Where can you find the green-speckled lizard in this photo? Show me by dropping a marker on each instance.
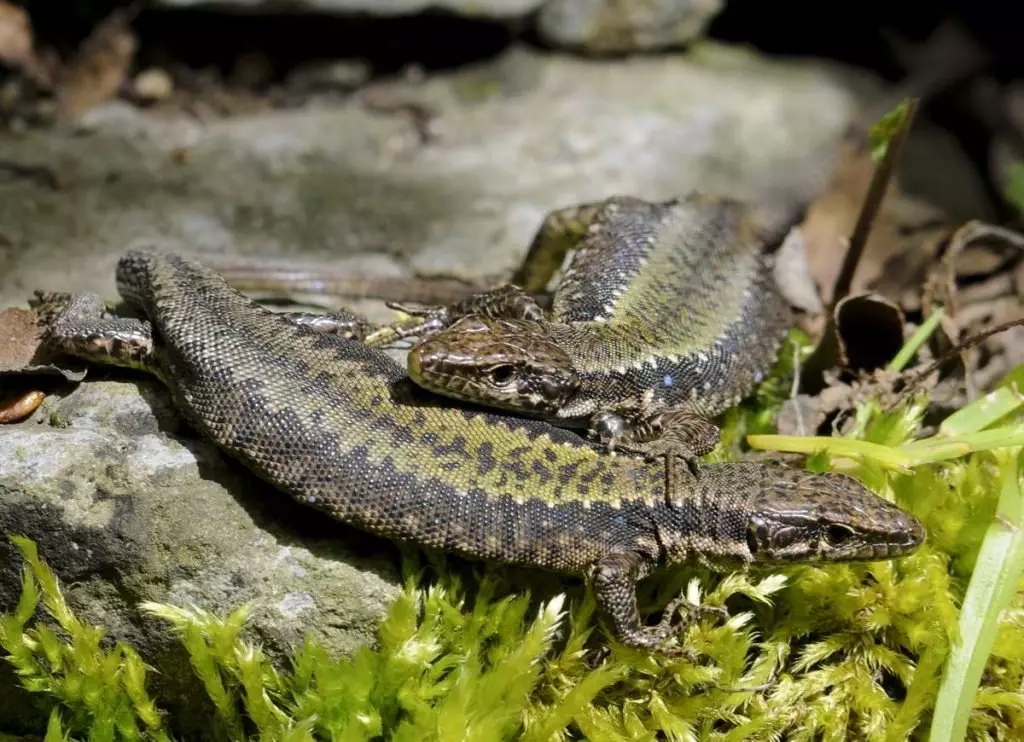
(338, 426)
(666, 315)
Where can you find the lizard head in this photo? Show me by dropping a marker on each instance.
(510, 364)
(803, 517)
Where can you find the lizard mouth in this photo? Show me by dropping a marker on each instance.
(914, 535)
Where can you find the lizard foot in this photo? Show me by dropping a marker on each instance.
(674, 435)
(423, 323)
(669, 627)
(614, 579)
(344, 324)
(504, 302)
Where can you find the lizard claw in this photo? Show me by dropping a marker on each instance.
(430, 321)
(669, 627)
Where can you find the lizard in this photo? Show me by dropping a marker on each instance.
(666, 315)
(338, 426)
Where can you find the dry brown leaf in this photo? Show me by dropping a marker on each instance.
(17, 48)
(903, 240)
(870, 331)
(20, 352)
(15, 36)
(97, 71)
(19, 405)
(18, 341)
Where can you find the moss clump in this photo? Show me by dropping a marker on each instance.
(102, 690)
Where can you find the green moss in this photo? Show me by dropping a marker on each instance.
(859, 651)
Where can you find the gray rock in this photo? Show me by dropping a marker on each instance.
(615, 26)
(511, 141)
(483, 8)
(125, 503)
(128, 505)
(338, 74)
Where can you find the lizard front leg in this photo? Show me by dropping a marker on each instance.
(342, 323)
(677, 435)
(504, 302)
(614, 578)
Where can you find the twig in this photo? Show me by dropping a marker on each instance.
(872, 203)
(916, 377)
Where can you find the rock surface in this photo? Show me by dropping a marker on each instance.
(483, 8)
(592, 26)
(128, 505)
(613, 26)
(510, 141)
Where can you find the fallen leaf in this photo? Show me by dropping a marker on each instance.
(870, 331)
(793, 275)
(153, 84)
(18, 338)
(904, 238)
(15, 37)
(20, 405)
(974, 251)
(17, 47)
(97, 71)
(21, 353)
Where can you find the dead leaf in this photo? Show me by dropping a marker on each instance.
(18, 338)
(21, 353)
(793, 275)
(153, 84)
(869, 330)
(975, 250)
(965, 256)
(20, 405)
(903, 239)
(865, 333)
(97, 71)
(801, 415)
(17, 45)
(15, 36)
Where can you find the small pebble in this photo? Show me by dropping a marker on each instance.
(153, 84)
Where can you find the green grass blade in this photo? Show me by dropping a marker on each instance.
(886, 456)
(999, 567)
(982, 412)
(940, 448)
(916, 340)
(902, 458)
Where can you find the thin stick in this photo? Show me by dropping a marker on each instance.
(917, 376)
(872, 203)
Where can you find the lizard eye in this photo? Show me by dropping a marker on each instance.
(837, 535)
(503, 374)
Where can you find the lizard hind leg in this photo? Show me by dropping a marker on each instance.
(77, 324)
(614, 578)
(562, 231)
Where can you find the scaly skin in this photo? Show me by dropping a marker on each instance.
(666, 316)
(338, 426)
